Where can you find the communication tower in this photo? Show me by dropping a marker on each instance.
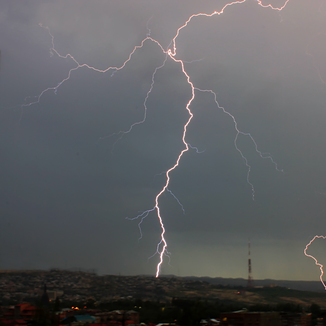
(249, 284)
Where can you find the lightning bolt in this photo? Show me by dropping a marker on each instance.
(321, 267)
(170, 53)
(323, 81)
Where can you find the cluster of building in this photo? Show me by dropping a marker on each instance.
(26, 314)
(27, 285)
(18, 286)
(81, 286)
(245, 318)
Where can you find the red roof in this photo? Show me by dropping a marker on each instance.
(17, 322)
(30, 308)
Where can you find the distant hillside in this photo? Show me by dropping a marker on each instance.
(18, 286)
(314, 286)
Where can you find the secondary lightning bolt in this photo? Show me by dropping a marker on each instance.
(321, 267)
(246, 134)
(170, 53)
(122, 133)
(79, 65)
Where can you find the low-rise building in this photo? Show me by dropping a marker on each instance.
(245, 318)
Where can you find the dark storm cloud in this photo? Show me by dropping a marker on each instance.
(68, 181)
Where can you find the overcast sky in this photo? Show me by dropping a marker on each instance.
(68, 180)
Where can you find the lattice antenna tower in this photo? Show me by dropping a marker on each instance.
(250, 281)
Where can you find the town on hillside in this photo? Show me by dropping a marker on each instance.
(60, 297)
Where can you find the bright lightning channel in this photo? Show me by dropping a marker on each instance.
(323, 81)
(321, 267)
(171, 52)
